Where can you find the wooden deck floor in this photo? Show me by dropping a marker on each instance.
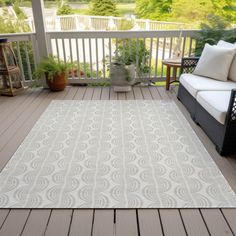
(17, 117)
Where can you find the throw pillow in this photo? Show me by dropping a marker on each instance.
(215, 62)
(232, 70)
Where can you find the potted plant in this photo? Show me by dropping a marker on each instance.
(55, 71)
(130, 60)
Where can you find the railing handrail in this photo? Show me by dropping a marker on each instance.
(121, 33)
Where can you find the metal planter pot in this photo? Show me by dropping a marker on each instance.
(122, 76)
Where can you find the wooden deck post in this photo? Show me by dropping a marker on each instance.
(40, 29)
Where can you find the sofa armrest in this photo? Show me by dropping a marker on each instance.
(231, 114)
(188, 64)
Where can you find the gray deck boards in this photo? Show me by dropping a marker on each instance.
(17, 117)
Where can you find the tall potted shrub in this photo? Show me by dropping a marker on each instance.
(129, 62)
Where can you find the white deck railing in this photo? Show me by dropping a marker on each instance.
(26, 50)
(92, 51)
(86, 22)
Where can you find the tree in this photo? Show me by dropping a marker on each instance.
(225, 9)
(103, 8)
(153, 9)
(196, 11)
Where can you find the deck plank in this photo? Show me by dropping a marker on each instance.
(113, 94)
(126, 223)
(37, 222)
(97, 93)
(171, 222)
(15, 222)
(3, 215)
(146, 93)
(130, 95)
(121, 96)
(81, 223)
(230, 216)
(155, 94)
(80, 93)
(9, 104)
(105, 93)
(89, 93)
(215, 222)
(59, 223)
(193, 222)
(163, 93)
(71, 93)
(138, 93)
(149, 222)
(103, 223)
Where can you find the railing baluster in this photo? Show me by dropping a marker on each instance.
(28, 61)
(150, 59)
(157, 56)
(97, 65)
(163, 54)
(71, 53)
(183, 49)
(104, 58)
(190, 47)
(77, 56)
(171, 44)
(90, 59)
(58, 53)
(110, 51)
(20, 60)
(64, 50)
(84, 58)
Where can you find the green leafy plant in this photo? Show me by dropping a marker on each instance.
(103, 8)
(132, 51)
(212, 32)
(51, 66)
(65, 9)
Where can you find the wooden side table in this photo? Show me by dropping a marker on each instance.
(171, 64)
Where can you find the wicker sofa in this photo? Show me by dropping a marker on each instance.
(211, 104)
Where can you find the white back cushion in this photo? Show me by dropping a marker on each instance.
(232, 70)
(215, 62)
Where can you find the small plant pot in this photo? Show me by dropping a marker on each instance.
(57, 83)
(122, 77)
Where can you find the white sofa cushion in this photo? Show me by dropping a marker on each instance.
(194, 83)
(232, 70)
(215, 103)
(215, 62)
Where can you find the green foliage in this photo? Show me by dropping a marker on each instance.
(132, 51)
(185, 10)
(103, 8)
(51, 66)
(9, 26)
(20, 14)
(212, 32)
(195, 11)
(125, 24)
(153, 9)
(65, 9)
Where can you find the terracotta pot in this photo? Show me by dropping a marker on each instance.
(58, 83)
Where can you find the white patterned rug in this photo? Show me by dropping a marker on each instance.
(113, 154)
